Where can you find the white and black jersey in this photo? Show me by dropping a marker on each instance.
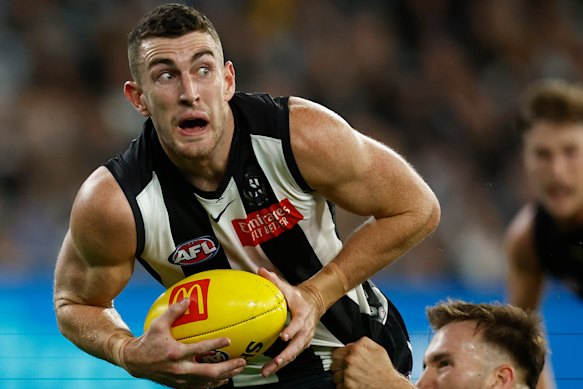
(262, 214)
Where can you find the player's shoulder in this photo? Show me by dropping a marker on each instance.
(301, 108)
(102, 225)
(100, 200)
(99, 186)
(519, 235)
(315, 123)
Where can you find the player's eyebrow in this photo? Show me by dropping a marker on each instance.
(169, 62)
(433, 358)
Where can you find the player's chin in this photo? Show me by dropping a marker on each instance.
(563, 207)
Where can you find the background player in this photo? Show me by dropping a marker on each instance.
(474, 346)
(545, 237)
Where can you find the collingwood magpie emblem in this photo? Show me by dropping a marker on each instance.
(254, 191)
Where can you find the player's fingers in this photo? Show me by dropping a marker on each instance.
(367, 343)
(214, 384)
(221, 372)
(205, 347)
(220, 383)
(338, 356)
(271, 276)
(292, 329)
(293, 349)
(209, 374)
(173, 312)
(217, 374)
(228, 369)
(292, 297)
(338, 377)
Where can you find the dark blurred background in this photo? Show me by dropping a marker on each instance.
(435, 79)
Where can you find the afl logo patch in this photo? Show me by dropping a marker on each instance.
(194, 251)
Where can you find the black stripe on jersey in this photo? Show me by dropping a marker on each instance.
(188, 218)
(284, 252)
(283, 123)
(150, 270)
(269, 117)
(134, 183)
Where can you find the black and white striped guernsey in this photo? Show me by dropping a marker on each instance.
(262, 214)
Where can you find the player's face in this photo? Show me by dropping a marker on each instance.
(457, 359)
(185, 88)
(553, 156)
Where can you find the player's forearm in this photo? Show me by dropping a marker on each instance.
(374, 246)
(98, 331)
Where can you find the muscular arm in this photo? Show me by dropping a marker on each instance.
(367, 178)
(94, 265)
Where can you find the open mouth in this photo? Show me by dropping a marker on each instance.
(193, 124)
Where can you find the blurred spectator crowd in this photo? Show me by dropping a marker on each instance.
(437, 80)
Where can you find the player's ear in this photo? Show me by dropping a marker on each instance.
(505, 376)
(229, 74)
(133, 93)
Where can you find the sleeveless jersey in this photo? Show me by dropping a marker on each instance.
(560, 252)
(262, 214)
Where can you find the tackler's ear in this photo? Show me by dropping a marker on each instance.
(133, 93)
(505, 376)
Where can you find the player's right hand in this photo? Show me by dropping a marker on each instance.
(157, 356)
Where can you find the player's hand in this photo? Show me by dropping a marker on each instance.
(305, 315)
(157, 356)
(365, 364)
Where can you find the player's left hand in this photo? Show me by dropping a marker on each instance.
(306, 311)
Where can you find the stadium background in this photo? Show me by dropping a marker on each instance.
(435, 79)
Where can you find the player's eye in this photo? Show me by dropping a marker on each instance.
(165, 76)
(571, 151)
(203, 71)
(542, 155)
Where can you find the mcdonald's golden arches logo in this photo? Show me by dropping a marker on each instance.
(197, 291)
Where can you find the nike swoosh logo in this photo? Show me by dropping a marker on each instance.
(216, 218)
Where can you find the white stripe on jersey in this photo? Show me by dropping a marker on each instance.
(158, 235)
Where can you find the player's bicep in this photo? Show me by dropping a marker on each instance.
(96, 258)
(79, 281)
(356, 172)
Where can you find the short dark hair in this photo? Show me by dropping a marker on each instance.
(507, 327)
(166, 21)
(553, 100)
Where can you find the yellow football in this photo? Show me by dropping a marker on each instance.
(242, 306)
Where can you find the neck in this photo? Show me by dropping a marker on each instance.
(208, 172)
